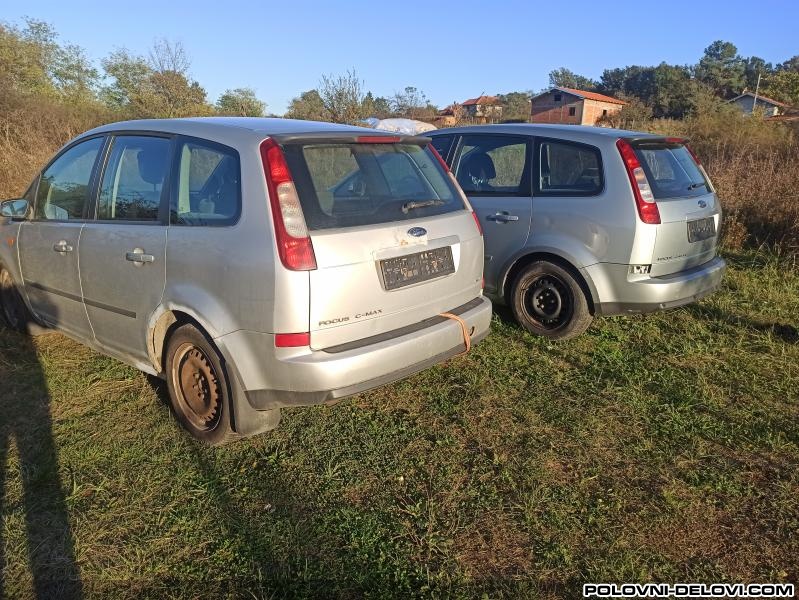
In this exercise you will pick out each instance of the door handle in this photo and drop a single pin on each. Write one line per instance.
(62, 247)
(138, 257)
(502, 217)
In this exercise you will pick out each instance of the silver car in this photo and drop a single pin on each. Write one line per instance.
(584, 221)
(252, 263)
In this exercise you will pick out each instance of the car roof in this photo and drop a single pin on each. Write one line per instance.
(229, 129)
(543, 129)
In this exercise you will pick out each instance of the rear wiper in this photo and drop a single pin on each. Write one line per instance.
(409, 206)
(693, 186)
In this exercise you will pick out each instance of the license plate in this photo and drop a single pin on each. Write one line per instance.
(701, 229)
(413, 268)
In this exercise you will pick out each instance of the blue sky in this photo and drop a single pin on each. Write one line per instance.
(449, 50)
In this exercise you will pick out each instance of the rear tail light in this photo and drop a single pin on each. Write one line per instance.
(293, 242)
(441, 161)
(477, 222)
(292, 340)
(644, 199)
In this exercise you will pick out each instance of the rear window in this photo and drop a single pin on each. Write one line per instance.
(671, 170)
(351, 184)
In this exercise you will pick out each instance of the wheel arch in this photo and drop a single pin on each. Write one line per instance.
(518, 263)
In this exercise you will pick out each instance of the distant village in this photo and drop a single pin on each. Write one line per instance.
(581, 107)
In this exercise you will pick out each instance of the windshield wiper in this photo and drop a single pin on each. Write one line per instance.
(409, 206)
(693, 186)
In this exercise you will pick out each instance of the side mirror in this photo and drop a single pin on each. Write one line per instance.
(14, 209)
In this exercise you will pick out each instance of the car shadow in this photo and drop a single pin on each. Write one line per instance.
(26, 425)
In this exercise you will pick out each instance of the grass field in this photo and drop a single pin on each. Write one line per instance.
(658, 448)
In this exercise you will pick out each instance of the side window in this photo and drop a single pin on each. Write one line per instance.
(494, 165)
(209, 186)
(64, 185)
(568, 169)
(133, 180)
(443, 144)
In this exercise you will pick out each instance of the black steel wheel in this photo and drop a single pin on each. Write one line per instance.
(547, 300)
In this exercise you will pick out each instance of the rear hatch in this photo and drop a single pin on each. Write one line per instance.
(394, 239)
(689, 210)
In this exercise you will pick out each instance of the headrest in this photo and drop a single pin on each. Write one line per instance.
(152, 165)
(480, 166)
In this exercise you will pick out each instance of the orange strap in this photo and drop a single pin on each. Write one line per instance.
(464, 330)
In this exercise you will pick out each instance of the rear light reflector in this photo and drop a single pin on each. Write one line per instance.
(477, 222)
(292, 340)
(377, 139)
(644, 199)
(291, 233)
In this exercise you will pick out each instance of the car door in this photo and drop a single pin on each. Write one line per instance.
(494, 172)
(123, 249)
(49, 243)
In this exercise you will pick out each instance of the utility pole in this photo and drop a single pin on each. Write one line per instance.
(757, 89)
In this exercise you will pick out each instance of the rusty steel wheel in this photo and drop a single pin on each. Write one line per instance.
(199, 391)
(196, 384)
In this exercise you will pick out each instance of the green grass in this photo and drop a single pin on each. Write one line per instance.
(657, 448)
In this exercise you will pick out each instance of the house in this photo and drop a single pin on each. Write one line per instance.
(482, 108)
(748, 101)
(577, 107)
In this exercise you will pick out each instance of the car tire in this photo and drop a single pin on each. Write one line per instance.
(547, 300)
(12, 307)
(199, 388)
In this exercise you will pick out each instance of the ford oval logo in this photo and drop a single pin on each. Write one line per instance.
(702, 204)
(417, 231)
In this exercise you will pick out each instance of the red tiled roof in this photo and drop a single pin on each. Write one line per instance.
(481, 100)
(591, 95)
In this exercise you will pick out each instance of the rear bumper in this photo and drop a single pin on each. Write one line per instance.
(619, 293)
(278, 377)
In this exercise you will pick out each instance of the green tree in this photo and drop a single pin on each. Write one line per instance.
(755, 67)
(159, 86)
(783, 86)
(376, 106)
(792, 64)
(722, 69)
(563, 77)
(240, 102)
(32, 61)
(515, 106)
(343, 97)
(410, 103)
(308, 106)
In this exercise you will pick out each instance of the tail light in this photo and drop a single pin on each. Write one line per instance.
(644, 199)
(441, 161)
(293, 242)
(477, 222)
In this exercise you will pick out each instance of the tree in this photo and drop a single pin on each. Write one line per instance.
(32, 61)
(515, 106)
(308, 106)
(241, 102)
(563, 77)
(409, 103)
(722, 69)
(754, 68)
(783, 86)
(158, 86)
(376, 106)
(128, 74)
(342, 97)
(666, 89)
(792, 64)
(633, 115)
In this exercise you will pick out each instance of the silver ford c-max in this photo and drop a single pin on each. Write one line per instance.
(253, 263)
(584, 221)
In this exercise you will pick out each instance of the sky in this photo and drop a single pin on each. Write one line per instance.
(451, 51)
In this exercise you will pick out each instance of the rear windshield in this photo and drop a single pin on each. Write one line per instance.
(671, 170)
(351, 184)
